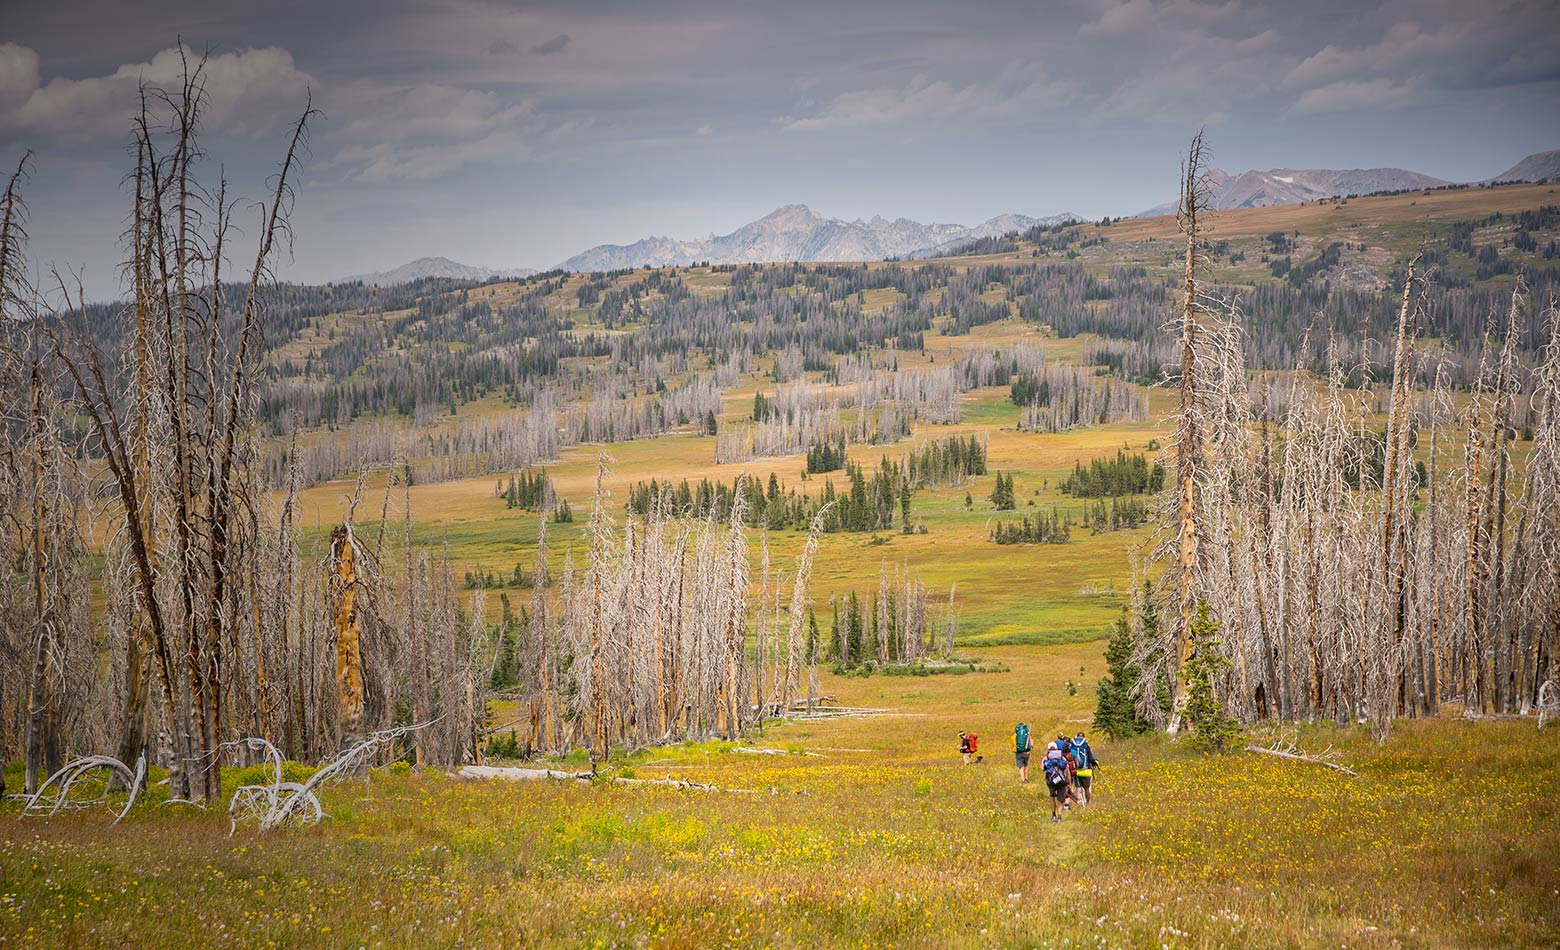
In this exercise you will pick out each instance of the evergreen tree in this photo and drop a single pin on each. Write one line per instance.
(1115, 714)
(1215, 731)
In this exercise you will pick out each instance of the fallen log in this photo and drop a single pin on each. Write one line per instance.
(1298, 757)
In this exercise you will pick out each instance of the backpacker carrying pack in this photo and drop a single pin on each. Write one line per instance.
(1056, 771)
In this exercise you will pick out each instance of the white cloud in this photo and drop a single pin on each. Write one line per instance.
(1350, 96)
(248, 92)
(18, 76)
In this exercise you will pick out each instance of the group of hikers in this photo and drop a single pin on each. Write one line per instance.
(1068, 765)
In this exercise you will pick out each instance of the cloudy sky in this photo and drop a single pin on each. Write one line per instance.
(518, 134)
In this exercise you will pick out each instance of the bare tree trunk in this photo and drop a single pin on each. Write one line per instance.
(348, 630)
(1188, 448)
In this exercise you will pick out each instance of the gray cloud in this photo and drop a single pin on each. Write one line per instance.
(461, 115)
(1014, 90)
(557, 44)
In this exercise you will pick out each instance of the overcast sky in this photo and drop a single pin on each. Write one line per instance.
(518, 134)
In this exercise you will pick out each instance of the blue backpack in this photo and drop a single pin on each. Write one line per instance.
(1056, 771)
(1082, 754)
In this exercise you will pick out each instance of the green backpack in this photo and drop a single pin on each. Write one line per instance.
(1021, 737)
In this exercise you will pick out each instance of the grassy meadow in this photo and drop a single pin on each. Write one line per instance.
(877, 837)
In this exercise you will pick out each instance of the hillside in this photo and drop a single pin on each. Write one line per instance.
(1540, 166)
(798, 233)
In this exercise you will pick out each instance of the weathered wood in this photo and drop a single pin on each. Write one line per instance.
(1299, 757)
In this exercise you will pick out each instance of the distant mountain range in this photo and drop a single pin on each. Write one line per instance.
(434, 267)
(798, 233)
(1283, 186)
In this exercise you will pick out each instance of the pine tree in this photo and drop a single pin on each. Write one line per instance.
(1215, 731)
(1115, 714)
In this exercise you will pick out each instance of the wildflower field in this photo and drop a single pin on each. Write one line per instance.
(866, 832)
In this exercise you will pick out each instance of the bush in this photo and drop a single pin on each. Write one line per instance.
(503, 747)
(265, 773)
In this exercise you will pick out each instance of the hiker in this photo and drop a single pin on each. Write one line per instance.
(1021, 749)
(968, 744)
(1087, 763)
(1071, 766)
(1055, 766)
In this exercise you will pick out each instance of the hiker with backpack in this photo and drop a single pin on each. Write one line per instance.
(1086, 763)
(1021, 749)
(1056, 780)
(968, 744)
(1072, 773)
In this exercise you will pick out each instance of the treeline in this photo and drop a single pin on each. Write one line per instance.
(949, 461)
(1064, 398)
(1281, 592)
(532, 491)
(1122, 514)
(896, 624)
(1038, 529)
(1123, 475)
(826, 457)
(866, 502)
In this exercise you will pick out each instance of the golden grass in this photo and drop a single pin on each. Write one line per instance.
(1446, 838)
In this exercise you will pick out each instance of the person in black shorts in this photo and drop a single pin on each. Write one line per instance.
(1021, 750)
(1056, 779)
(1087, 763)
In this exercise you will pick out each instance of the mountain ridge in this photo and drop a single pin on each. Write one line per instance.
(795, 232)
(1279, 186)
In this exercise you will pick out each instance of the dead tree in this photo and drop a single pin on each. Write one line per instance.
(205, 353)
(344, 556)
(1189, 449)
